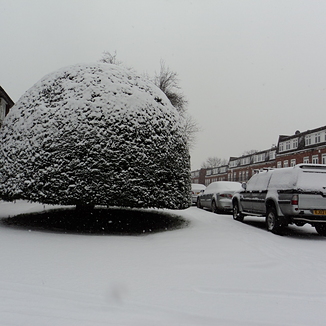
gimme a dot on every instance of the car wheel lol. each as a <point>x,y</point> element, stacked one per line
<point>199,204</point>
<point>237,215</point>
<point>214,207</point>
<point>321,229</point>
<point>272,220</point>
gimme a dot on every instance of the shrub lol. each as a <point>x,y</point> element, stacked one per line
<point>95,134</point>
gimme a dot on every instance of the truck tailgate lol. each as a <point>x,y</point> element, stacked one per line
<point>312,201</point>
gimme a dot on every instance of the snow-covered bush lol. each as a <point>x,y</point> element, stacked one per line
<point>95,135</point>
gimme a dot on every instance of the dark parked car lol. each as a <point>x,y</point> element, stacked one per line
<point>295,195</point>
<point>218,196</point>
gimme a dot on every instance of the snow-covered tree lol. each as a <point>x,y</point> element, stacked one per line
<point>95,134</point>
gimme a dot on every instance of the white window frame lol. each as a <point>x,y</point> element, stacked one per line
<point>293,162</point>
<point>295,142</point>
<point>306,159</point>
<point>315,159</point>
<point>317,137</point>
<point>272,155</point>
<point>281,147</point>
<point>308,140</point>
<point>323,158</point>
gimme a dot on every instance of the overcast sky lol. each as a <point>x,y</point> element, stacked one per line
<point>251,70</point>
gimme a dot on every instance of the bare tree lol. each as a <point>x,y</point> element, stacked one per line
<point>168,82</point>
<point>249,152</point>
<point>213,162</point>
<point>107,57</point>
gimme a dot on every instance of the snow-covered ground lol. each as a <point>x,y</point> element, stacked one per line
<point>215,272</point>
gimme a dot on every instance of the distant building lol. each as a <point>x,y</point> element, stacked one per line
<point>301,147</point>
<point>5,104</point>
<point>198,176</point>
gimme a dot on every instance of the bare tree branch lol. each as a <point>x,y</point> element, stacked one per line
<point>107,57</point>
<point>213,162</point>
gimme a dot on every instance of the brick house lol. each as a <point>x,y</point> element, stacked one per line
<point>301,147</point>
<point>5,104</point>
<point>198,176</point>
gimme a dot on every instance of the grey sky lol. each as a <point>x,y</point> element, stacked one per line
<point>251,70</point>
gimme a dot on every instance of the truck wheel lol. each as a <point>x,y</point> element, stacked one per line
<point>272,220</point>
<point>198,203</point>
<point>237,215</point>
<point>321,229</point>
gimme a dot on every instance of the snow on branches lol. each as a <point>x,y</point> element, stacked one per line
<point>95,134</point>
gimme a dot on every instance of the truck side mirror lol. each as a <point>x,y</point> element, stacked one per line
<point>244,185</point>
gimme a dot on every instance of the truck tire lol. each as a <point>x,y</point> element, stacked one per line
<point>272,220</point>
<point>321,229</point>
<point>237,215</point>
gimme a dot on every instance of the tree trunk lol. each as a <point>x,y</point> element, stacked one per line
<point>84,208</point>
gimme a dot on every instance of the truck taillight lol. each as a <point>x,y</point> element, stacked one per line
<point>295,200</point>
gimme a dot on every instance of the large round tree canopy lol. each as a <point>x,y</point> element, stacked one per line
<point>95,135</point>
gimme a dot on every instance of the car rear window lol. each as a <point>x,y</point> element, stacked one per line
<point>312,181</point>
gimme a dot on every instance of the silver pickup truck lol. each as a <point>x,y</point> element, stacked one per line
<point>294,195</point>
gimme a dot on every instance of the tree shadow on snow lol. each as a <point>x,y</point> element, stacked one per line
<point>103,221</point>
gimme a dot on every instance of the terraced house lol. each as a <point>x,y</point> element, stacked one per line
<point>301,147</point>
<point>5,104</point>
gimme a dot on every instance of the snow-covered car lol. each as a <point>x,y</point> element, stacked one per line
<point>294,195</point>
<point>218,196</point>
<point>196,189</point>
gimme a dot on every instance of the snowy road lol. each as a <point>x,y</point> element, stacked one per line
<point>215,272</point>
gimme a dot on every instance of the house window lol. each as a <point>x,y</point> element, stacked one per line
<point>293,162</point>
<point>306,159</point>
<point>259,157</point>
<point>234,163</point>
<point>3,104</point>
<point>323,159</point>
<point>279,164</point>
<point>288,145</point>
<point>295,143</point>
<point>285,163</point>
<point>272,155</point>
<point>281,147</point>
<point>308,140</point>
<point>317,137</point>
<point>208,172</point>
<point>245,160</point>
<point>315,159</point>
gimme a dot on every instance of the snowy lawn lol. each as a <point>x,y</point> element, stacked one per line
<point>214,272</point>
